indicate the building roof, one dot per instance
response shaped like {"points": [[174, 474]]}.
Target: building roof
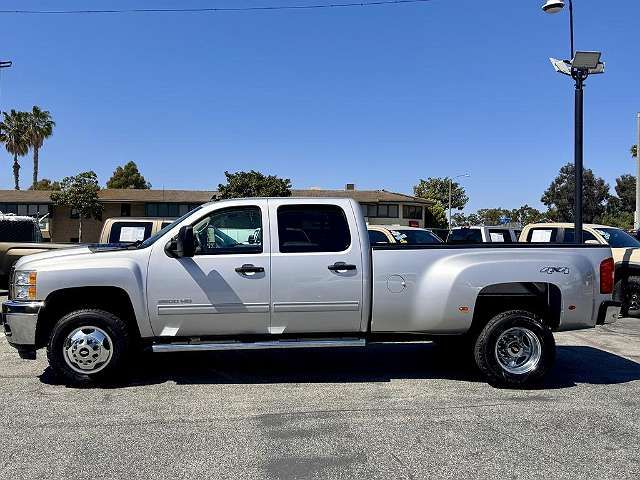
{"points": [[364, 196], [109, 195], [113, 195]]}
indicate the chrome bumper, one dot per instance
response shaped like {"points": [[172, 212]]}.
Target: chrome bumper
{"points": [[19, 320]]}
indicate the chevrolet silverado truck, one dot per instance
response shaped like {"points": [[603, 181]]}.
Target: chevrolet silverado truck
{"points": [[624, 248], [299, 273]]}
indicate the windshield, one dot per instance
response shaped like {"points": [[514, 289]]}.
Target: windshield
{"points": [[617, 238], [152, 239], [415, 237]]}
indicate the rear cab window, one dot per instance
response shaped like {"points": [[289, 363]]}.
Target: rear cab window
{"points": [[500, 235], [312, 228], [543, 235], [464, 236], [129, 232]]}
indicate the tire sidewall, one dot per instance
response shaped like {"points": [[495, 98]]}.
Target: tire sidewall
{"points": [[489, 337], [96, 318]]}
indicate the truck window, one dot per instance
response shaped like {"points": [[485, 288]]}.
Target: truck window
{"points": [[377, 238], [464, 236], [129, 232], [570, 237], [415, 237], [499, 235], [542, 235], [15, 230], [312, 228], [229, 230]]}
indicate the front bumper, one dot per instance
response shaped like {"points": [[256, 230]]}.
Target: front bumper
{"points": [[19, 320], [609, 312]]}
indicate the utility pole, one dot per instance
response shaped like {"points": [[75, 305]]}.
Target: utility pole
{"points": [[636, 223]]}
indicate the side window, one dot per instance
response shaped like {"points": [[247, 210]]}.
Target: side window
{"points": [[542, 235], [500, 236], [129, 232], [377, 238], [312, 228], [230, 230], [569, 236]]}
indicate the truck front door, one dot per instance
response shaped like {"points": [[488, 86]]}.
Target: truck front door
{"points": [[224, 288], [316, 267]]}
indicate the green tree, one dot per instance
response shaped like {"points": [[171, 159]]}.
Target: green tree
{"points": [[254, 184], [13, 133], [45, 184], [39, 128], [626, 192], [493, 216], [80, 193], [461, 220], [437, 189], [560, 195], [616, 216], [128, 176], [436, 217], [526, 215]]}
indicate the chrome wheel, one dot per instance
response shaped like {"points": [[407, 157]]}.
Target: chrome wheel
{"points": [[87, 349], [518, 350], [634, 300]]}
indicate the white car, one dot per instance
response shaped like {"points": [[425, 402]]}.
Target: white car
{"points": [[498, 234]]}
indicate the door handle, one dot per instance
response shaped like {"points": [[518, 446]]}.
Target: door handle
{"points": [[341, 267], [249, 268]]}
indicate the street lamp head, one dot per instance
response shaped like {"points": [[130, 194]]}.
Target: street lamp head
{"points": [[586, 60], [553, 6]]}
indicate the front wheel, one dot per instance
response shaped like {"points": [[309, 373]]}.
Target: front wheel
{"points": [[515, 349], [88, 346]]}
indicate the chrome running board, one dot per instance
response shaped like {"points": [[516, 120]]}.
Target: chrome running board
{"points": [[212, 346]]}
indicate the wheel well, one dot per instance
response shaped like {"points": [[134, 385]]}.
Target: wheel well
{"points": [[543, 299], [111, 299]]}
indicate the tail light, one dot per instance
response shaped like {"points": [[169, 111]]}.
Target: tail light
{"points": [[606, 276]]}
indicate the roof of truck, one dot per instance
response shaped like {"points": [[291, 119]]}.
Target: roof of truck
{"points": [[567, 224]]}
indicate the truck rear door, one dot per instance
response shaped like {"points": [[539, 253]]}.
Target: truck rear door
{"points": [[316, 267]]}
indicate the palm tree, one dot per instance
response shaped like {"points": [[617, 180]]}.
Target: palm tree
{"points": [[39, 127], [13, 133]]}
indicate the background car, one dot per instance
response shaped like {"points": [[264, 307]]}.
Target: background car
{"points": [[624, 247], [483, 234], [392, 234]]}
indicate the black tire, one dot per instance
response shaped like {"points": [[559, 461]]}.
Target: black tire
{"points": [[534, 332], [118, 346], [631, 297]]}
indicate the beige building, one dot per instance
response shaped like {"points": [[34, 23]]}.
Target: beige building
{"points": [[61, 224]]}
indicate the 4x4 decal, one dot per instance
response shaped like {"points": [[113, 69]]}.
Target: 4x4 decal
{"points": [[551, 270]]}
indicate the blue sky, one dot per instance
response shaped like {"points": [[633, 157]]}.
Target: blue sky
{"points": [[377, 96]]}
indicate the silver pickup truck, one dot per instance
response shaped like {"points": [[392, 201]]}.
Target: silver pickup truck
{"points": [[300, 273]]}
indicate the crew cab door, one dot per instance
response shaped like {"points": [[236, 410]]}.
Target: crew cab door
{"points": [[316, 267], [224, 288]]}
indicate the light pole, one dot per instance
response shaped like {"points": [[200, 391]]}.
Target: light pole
{"points": [[636, 223], [451, 179], [581, 65]]}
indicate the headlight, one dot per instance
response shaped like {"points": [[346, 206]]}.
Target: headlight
{"points": [[24, 285]]}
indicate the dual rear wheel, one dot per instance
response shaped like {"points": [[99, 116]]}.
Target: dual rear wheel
{"points": [[515, 348]]}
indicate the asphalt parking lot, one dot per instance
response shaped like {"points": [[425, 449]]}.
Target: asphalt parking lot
{"points": [[388, 411]]}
